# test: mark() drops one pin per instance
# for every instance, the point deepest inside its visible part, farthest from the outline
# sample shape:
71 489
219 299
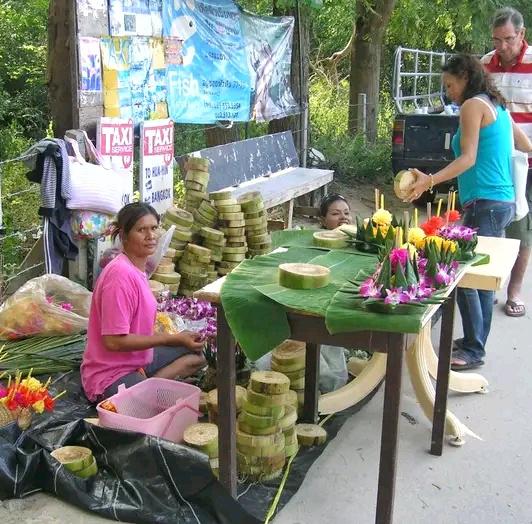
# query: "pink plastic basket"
155 406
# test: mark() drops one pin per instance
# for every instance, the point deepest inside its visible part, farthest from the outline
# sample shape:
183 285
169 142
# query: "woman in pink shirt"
121 346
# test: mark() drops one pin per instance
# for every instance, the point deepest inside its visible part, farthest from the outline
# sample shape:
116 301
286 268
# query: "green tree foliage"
23 41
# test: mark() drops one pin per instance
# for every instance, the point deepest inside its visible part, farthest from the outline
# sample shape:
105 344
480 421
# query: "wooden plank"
493 276
442 379
226 378
312 383
285 185
390 428
307 211
289 213
90 19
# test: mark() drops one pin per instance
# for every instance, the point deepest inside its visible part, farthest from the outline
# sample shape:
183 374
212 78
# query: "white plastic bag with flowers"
49 305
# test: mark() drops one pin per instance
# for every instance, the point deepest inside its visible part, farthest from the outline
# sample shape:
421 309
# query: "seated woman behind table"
334 211
121 345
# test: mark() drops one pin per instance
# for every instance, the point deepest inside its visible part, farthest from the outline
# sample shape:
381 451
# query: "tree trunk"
370 28
59 63
299 88
217 136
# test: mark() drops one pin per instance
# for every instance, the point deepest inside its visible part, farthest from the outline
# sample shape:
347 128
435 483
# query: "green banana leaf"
343 265
303 238
346 313
258 323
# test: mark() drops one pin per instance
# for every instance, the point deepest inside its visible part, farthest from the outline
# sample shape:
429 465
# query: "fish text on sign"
184 86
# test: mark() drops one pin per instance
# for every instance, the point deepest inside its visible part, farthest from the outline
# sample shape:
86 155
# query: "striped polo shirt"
515 84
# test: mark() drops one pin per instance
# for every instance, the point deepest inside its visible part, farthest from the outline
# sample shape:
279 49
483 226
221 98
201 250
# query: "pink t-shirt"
122 304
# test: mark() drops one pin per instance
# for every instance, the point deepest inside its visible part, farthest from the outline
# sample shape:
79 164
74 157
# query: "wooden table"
312 330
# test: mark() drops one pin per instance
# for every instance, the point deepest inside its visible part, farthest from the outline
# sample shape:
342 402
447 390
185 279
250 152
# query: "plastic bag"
333 367
47 305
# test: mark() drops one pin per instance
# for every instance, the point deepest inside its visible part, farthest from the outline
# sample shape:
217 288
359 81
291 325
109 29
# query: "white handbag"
519 176
95 187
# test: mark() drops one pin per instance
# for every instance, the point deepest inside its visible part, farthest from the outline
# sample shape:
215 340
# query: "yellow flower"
416 236
382 217
449 245
411 249
437 241
38 406
31 383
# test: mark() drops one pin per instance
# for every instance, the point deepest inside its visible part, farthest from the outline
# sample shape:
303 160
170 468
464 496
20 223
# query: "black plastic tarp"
141 479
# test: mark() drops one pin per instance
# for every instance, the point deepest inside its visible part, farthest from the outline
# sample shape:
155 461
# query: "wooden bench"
268 164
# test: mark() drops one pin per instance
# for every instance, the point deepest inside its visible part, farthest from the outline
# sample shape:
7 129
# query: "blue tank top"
491 176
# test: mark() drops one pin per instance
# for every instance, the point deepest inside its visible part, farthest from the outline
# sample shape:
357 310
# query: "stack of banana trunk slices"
289 358
196 181
265 424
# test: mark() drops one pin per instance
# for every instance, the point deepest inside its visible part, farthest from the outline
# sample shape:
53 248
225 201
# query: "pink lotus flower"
398 256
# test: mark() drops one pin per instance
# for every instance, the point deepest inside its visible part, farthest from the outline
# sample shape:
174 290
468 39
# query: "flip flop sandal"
466 358
510 309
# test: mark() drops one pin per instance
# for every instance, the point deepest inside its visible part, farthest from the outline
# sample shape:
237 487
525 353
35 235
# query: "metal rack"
425 88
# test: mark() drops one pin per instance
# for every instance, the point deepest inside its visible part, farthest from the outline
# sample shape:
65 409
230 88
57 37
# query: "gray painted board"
246 160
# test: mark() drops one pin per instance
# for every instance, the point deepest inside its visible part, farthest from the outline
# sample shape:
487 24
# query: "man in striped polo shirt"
510 65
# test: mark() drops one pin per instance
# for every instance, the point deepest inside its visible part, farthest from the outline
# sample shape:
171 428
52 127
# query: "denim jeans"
476 307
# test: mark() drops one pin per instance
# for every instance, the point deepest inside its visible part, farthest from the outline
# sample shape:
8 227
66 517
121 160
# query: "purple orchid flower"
369 289
393 296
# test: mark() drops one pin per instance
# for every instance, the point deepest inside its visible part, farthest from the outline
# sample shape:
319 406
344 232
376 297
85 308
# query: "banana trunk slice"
291 449
269 382
289 419
240 396
258 441
89 471
268 411
303 276
260 421
221 195
331 239
246 428
297 383
167 278
273 462
262 451
268 400
292 375
310 435
180 216
194 163
74 458
204 437
290 352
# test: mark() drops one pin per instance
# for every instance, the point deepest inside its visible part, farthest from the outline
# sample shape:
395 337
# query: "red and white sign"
157 163
115 142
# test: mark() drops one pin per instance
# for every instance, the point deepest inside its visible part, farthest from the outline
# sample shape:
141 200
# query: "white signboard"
114 140
157 163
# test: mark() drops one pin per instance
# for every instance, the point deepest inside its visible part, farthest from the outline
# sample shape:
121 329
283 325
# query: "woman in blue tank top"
483 148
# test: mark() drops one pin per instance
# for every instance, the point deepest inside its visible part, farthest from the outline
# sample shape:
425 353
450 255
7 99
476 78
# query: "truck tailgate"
429 136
